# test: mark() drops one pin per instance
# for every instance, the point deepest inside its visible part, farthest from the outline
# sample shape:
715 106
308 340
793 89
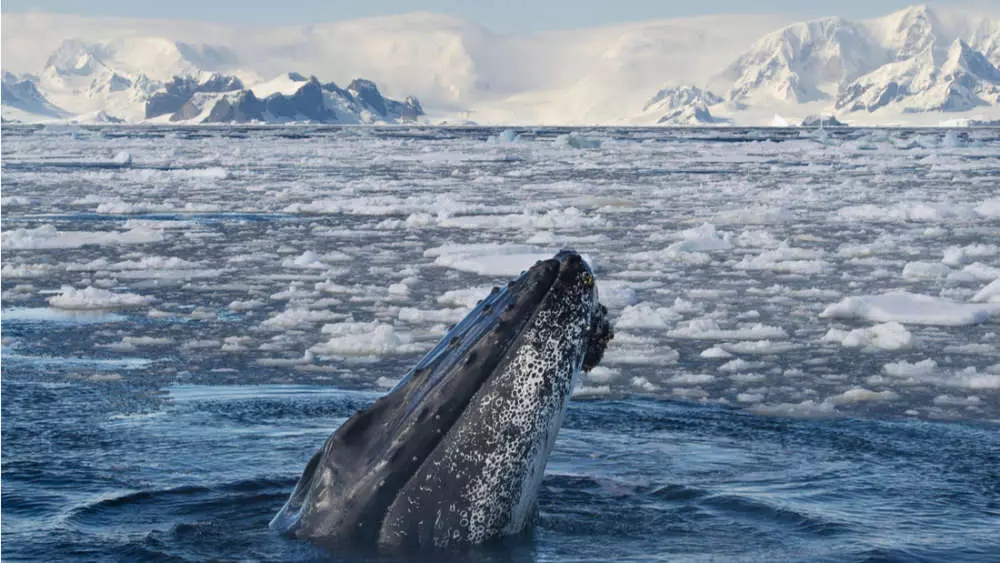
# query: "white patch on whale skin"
500 499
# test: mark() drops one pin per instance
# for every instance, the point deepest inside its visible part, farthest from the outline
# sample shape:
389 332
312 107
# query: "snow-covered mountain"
116 77
958 80
916 66
224 99
684 105
914 61
151 78
23 101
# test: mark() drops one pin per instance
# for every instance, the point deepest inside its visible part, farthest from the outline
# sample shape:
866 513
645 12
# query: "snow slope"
912 61
23 101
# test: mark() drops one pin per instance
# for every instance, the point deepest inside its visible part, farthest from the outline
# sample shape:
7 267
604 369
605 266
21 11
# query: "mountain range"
918 66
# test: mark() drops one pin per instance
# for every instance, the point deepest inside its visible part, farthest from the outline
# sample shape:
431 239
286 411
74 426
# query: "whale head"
454 454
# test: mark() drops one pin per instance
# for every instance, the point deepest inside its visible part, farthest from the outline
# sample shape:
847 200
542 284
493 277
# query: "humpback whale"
454 454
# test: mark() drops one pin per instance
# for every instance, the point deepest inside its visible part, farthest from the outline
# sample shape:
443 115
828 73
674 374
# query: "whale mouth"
373 455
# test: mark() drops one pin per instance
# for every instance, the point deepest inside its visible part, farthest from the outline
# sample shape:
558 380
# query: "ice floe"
910 308
364 339
47 236
885 336
95 298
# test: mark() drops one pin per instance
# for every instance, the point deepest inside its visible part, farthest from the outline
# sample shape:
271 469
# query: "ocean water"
189 312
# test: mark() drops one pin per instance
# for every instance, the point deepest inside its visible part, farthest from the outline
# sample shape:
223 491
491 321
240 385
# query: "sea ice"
47 236
988 294
886 336
646 315
707 329
910 308
95 298
364 339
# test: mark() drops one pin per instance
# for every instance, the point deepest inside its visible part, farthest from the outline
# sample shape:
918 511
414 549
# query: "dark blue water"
127 472
183 450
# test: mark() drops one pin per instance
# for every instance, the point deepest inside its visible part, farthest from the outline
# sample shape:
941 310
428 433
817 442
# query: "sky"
507 16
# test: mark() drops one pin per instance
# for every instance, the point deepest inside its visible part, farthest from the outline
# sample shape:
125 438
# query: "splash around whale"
454 454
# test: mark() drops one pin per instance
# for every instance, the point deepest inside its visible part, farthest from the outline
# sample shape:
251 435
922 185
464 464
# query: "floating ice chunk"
47 236
504 137
200 344
576 141
707 329
988 294
49 314
364 339
331 287
971 379
412 315
307 259
860 394
645 315
756 239
691 379
402 287
123 159
569 218
645 354
971 348
14 201
92 298
246 305
295 291
120 207
910 308
131 343
958 255
644 384
910 369
153 263
464 297
886 336
907 211
758 215
236 343
925 270
703 238
974 272
750 397
488 259
616 294
683 306
715 352
399 289
989 208
740 365
590 392
386 382
950 401
786 259
602 374
9 271
760 347
300 316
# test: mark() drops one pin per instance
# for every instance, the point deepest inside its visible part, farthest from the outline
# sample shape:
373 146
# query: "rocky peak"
912 31
367 92
674 97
